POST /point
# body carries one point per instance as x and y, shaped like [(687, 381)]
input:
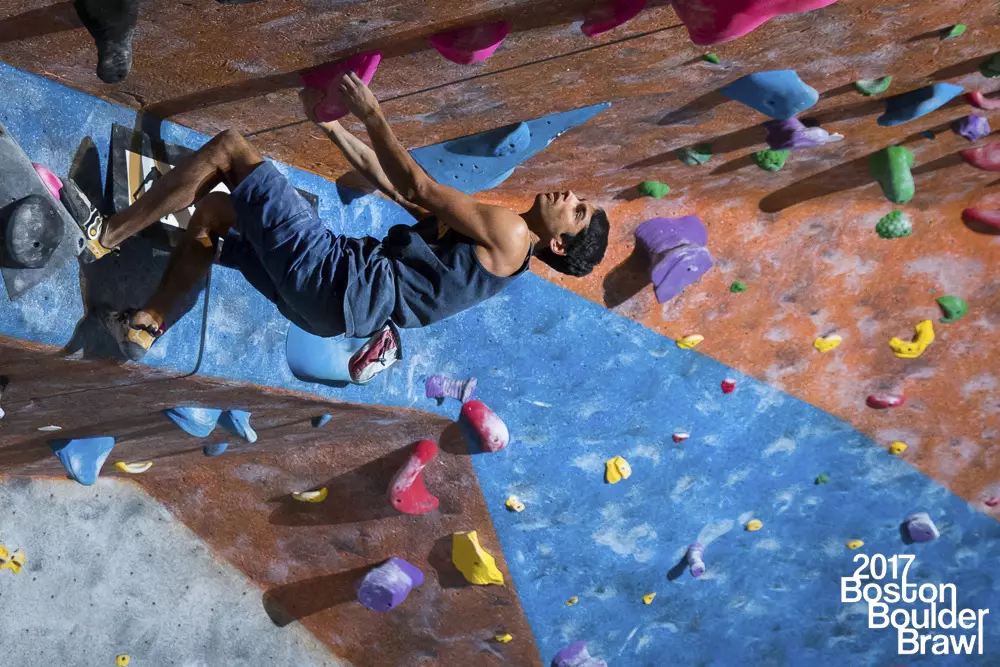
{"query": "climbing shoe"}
[(381, 351), (89, 219), (133, 341)]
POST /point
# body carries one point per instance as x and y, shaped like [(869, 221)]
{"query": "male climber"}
[(462, 253)]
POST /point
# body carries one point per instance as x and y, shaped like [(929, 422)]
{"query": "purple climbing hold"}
[(695, 559), (442, 386), (386, 586), (790, 134), (577, 655), (973, 127), (921, 527), (677, 253)]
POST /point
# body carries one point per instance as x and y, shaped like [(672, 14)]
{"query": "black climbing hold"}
[(34, 231)]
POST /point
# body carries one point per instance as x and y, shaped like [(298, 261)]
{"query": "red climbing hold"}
[(982, 220), (407, 492), (470, 45), (681, 436), (980, 101), (728, 386), (992, 502), (611, 15), (985, 157), (327, 79), (492, 431), (883, 401)]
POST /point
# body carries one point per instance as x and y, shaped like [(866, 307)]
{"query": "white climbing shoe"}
[(381, 351)]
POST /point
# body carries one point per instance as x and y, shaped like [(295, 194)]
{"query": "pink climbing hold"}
[(492, 431), (883, 401), (407, 492), (985, 157), (728, 386), (982, 220), (51, 181), (327, 80), (992, 502), (980, 101), (472, 44), (716, 21), (611, 15)]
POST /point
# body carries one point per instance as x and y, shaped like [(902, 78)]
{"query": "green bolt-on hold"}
[(891, 168), (953, 308), (869, 87), (711, 58), (653, 189), (695, 155), (895, 225), (771, 160), (822, 479), (738, 287), (956, 30), (990, 68)]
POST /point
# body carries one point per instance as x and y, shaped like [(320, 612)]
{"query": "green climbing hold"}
[(770, 160), (956, 30), (953, 308), (695, 155), (737, 287), (896, 225), (653, 189), (822, 478), (891, 168), (991, 68), (869, 87), (711, 58)]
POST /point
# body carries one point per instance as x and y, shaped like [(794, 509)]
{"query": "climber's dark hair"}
[(584, 250)]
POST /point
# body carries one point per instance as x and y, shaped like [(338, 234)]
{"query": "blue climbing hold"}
[(237, 422), (483, 161), (903, 108), (215, 449), (83, 457), (322, 420), (199, 422), (780, 94)]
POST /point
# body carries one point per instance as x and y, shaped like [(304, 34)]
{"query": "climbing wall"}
[(580, 380)]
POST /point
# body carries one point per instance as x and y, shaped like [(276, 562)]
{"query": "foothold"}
[(954, 31), (198, 422), (689, 341), (386, 586), (572, 601), (471, 44), (909, 106), (237, 422), (716, 21), (982, 221), (504, 638), (83, 457), (616, 469), (993, 501), (648, 598), (985, 157), (990, 68), (133, 468), (50, 428), (891, 168), (514, 504), (728, 386), (122, 661), (321, 420), (695, 559), (822, 478), (771, 160), (407, 492), (493, 433), (913, 349), (884, 401), (972, 127), (441, 386), (754, 525), (737, 287), (13, 562), (693, 156), (681, 436), (32, 234), (310, 496), (215, 449), (51, 181), (894, 225), (921, 527), (711, 58), (611, 15), (871, 87), (854, 544), (576, 655), (953, 308), (827, 343), (653, 189), (980, 101), (779, 94), (927, 134), (897, 448), (475, 564), (327, 80), (791, 134), (676, 251)]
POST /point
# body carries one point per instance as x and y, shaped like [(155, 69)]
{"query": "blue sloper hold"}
[(322, 420), (215, 449), (903, 108), (780, 94), (237, 422), (483, 161), (83, 457), (198, 422)]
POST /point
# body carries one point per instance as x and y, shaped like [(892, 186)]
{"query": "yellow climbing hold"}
[(572, 601), (122, 661), (897, 448), (134, 468), (648, 598), (827, 343), (310, 496), (514, 504), (616, 469), (504, 638), (754, 524), (4, 554), (475, 564), (687, 342), (913, 349), (14, 562), (855, 544)]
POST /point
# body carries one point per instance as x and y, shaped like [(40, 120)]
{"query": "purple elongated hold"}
[(790, 134), (973, 127), (386, 586), (695, 560), (576, 655), (442, 386), (677, 253), (921, 527)]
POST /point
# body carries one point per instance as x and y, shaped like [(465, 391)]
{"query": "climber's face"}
[(562, 213)]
